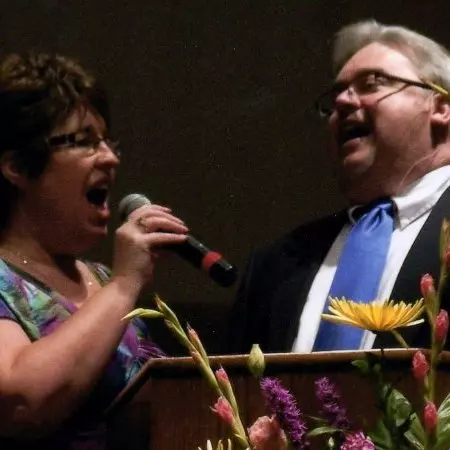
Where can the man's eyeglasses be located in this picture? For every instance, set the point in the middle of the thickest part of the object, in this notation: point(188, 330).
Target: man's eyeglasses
point(367, 83)
point(84, 139)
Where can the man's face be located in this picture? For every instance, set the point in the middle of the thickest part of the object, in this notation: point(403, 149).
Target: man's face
point(380, 128)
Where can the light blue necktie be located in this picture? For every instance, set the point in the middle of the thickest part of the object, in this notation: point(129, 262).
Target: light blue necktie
point(358, 273)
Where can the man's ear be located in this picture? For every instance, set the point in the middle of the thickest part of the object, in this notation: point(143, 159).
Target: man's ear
point(441, 110)
point(10, 170)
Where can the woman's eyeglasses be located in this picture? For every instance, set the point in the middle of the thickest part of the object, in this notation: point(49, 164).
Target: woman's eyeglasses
point(84, 139)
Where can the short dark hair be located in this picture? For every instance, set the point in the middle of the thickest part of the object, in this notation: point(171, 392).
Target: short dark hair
point(38, 91)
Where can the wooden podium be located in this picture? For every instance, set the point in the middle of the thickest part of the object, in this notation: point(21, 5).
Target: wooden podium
point(167, 407)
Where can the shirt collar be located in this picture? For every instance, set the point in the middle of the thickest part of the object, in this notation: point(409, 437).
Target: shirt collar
point(417, 198)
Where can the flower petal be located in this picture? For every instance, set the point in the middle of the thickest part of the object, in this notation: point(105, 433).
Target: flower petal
point(384, 315)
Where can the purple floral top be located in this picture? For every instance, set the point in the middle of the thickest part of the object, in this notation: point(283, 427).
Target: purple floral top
point(39, 310)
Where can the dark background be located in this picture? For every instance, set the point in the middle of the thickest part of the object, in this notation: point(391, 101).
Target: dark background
point(213, 104)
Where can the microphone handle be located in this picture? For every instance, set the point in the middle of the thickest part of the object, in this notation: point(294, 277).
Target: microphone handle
point(211, 262)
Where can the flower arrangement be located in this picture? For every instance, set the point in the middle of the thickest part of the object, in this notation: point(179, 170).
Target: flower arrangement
point(284, 427)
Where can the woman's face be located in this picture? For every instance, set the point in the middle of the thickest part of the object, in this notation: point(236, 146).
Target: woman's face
point(68, 203)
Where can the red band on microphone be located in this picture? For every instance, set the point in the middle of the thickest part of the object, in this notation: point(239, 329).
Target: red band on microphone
point(209, 259)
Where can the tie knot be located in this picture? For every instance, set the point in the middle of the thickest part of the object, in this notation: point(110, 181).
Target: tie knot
point(377, 205)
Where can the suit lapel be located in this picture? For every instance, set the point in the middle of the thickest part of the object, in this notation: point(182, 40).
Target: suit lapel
point(422, 258)
point(307, 252)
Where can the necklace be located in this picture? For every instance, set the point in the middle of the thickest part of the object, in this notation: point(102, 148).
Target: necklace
point(24, 260)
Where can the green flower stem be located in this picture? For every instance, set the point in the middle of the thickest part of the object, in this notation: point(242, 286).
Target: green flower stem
point(441, 285)
point(432, 374)
point(179, 334)
point(200, 357)
point(195, 347)
point(196, 342)
point(168, 313)
point(205, 368)
point(435, 346)
point(227, 389)
point(400, 339)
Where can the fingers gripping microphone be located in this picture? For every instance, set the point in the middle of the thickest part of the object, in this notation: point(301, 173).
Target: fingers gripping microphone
point(218, 269)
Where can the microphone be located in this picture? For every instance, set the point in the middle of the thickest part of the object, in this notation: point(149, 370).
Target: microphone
point(192, 250)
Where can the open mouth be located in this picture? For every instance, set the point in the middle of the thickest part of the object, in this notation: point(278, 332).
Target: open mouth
point(97, 196)
point(353, 131)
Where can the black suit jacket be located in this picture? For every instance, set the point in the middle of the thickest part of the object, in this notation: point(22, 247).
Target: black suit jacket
point(278, 278)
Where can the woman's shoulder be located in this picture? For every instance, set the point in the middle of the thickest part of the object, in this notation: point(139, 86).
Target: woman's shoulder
point(21, 300)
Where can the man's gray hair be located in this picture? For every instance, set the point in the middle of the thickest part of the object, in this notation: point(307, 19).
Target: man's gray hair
point(431, 59)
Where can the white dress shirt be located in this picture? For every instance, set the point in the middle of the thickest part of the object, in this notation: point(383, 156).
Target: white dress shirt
point(413, 208)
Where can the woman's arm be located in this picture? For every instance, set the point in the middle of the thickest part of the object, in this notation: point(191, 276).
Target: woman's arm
point(42, 383)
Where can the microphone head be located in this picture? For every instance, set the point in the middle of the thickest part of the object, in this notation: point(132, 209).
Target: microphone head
point(131, 202)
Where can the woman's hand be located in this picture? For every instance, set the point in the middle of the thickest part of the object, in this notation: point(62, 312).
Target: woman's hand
point(44, 382)
point(139, 239)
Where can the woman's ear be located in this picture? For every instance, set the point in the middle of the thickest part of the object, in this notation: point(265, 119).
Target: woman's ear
point(10, 170)
point(441, 110)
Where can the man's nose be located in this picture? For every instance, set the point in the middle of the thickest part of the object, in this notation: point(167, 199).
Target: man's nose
point(347, 100)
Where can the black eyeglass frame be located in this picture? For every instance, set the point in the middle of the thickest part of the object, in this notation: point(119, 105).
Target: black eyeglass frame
point(89, 140)
point(340, 87)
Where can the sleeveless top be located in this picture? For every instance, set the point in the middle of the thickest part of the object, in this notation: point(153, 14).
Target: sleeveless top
point(39, 310)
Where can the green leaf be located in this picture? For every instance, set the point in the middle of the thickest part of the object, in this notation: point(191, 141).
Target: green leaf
point(398, 408)
point(322, 430)
point(318, 420)
point(376, 368)
point(444, 409)
point(362, 365)
point(381, 437)
point(142, 312)
point(443, 440)
point(416, 434)
point(443, 426)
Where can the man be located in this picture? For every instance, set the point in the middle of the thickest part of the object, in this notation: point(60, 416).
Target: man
point(389, 116)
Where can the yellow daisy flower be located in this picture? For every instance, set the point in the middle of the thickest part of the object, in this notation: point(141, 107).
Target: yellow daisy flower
point(376, 316)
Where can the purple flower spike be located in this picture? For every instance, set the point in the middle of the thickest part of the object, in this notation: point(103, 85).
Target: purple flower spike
point(282, 404)
point(332, 408)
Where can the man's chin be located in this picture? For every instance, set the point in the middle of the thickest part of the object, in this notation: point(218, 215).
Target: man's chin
point(354, 181)
point(353, 169)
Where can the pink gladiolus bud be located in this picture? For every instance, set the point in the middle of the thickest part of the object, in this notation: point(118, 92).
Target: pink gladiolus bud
point(222, 376)
point(196, 356)
point(420, 366)
point(430, 417)
point(441, 329)
point(266, 434)
point(223, 409)
point(192, 334)
point(427, 285)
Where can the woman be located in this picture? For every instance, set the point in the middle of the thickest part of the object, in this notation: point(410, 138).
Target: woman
point(64, 351)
